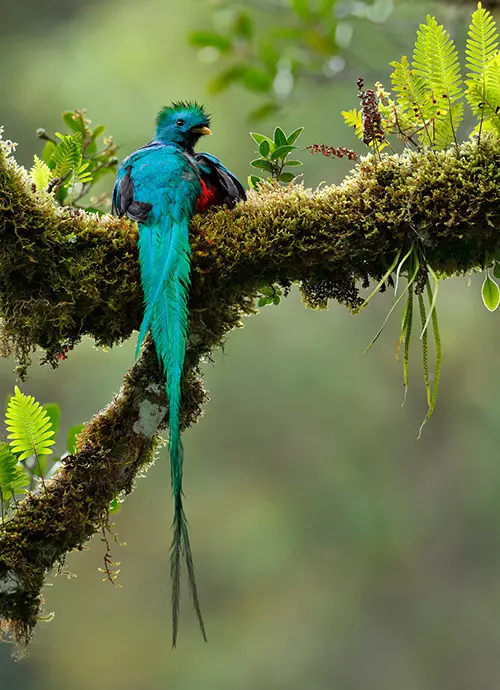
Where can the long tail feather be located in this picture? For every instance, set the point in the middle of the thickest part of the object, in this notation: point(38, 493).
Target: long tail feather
point(169, 327)
point(159, 253)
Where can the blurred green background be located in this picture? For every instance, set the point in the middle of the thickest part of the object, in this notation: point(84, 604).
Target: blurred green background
point(333, 549)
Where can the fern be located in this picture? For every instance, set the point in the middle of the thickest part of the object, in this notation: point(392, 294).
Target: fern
point(40, 174)
point(29, 425)
point(67, 159)
point(13, 477)
point(413, 100)
point(435, 61)
point(482, 43)
point(354, 118)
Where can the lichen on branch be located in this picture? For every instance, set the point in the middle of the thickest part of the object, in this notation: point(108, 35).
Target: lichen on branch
point(65, 274)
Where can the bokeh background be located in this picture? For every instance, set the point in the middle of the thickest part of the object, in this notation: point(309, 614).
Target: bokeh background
point(333, 548)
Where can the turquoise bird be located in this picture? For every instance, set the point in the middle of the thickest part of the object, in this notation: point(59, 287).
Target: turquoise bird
point(161, 186)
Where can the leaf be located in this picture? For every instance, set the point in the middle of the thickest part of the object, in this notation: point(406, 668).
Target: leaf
point(208, 39)
point(259, 138)
point(282, 152)
point(71, 439)
point(262, 302)
point(13, 476)
point(243, 25)
point(293, 163)
point(496, 270)
point(264, 148)
point(47, 152)
point(100, 129)
point(292, 138)
point(40, 174)
point(254, 181)
point(256, 79)
point(279, 137)
point(226, 77)
point(72, 122)
point(263, 111)
point(54, 413)
point(287, 177)
point(29, 426)
point(262, 163)
point(490, 293)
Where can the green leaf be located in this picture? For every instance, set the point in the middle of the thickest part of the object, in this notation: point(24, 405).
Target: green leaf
point(40, 173)
point(282, 152)
point(254, 181)
point(496, 270)
point(262, 163)
point(54, 413)
point(208, 39)
point(226, 77)
point(256, 79)
point(293, 163)
point(287, 177)
point(279, 137)
point(276, 299)
point(262, 302)
point(264, 148)
point(259, 138)
point(13, 476)
point(100, 129)
point(292, 138)
point(72, 122)
point(29, 426)
point(71, 439)
point(490, 293)
point(243, 25)
point(47, 152)
point(264, 111)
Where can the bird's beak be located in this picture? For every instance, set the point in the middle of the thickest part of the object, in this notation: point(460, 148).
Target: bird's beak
point(202, 130)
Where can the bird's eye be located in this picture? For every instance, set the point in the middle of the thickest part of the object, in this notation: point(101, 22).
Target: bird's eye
point(179, 123)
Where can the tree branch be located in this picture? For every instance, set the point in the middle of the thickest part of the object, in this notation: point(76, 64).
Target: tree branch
point(65, 274)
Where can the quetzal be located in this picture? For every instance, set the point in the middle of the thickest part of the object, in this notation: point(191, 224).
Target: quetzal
point(161, 186)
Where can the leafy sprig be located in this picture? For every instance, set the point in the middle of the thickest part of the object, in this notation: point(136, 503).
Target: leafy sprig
point(273, 155)
point(71, 164)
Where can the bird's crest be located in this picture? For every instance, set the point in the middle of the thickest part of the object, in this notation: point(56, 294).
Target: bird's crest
point(182, 106)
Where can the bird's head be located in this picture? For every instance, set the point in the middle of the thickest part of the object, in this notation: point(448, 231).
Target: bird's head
point(182, 124)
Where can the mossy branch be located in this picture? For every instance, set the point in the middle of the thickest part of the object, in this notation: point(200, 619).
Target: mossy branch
point(65, 274)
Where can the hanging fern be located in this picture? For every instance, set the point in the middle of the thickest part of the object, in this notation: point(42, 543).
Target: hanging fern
point(13, 477)
point(30, 427)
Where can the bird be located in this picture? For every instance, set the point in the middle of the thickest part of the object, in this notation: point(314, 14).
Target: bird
point(161, 186)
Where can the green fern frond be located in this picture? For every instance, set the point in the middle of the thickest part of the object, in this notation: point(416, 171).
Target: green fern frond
point(13, 477)
point(40, 173)
point(435, 60)
point(445, 125)
point(29, 425)
point(413, 98)
point(482, 43)
point(354, 118)
point(67, 156)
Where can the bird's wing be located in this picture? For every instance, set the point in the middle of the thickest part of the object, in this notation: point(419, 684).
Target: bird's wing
point(216, 174)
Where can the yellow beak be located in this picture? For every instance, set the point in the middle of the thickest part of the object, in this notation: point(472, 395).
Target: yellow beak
point(202, 130)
